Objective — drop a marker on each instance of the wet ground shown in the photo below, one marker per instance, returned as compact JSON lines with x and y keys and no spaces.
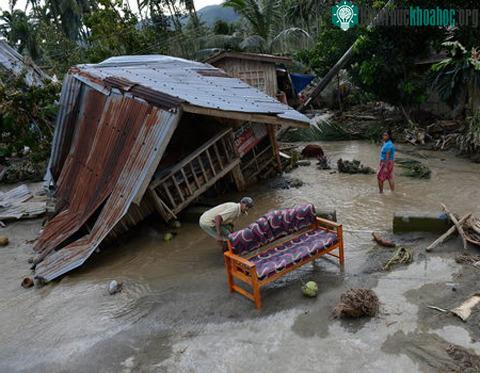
{"x":176,"y":315}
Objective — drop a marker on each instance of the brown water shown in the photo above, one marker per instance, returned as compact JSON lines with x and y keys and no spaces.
{"x":175,"y":313}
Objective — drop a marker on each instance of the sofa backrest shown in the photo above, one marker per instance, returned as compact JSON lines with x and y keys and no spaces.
{"x":272,"y":226}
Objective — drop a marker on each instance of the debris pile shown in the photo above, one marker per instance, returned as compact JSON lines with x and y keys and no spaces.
{"x":353,"y":167}
{"x":285,"y":183}
{"x":401,"y":256}
{"x":357,"y":303}
{"x":19,"y":203}
{"x":323,"y":163}
{"x":468,"y":259}
{"x":414,"y":168}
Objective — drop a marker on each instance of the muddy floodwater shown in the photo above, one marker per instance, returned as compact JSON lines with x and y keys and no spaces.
{"x":175,"y":313}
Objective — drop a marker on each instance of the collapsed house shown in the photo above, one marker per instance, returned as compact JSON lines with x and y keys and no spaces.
{"x":143,"y":134}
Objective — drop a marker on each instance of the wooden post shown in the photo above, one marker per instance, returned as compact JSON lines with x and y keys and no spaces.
{"x":341,"y":254}
{"x":275,"y":148}
{"x":237,"y":175}
{"x":256,"y":290}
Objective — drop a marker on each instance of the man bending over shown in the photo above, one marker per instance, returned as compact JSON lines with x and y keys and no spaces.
{"x":218,"y":221}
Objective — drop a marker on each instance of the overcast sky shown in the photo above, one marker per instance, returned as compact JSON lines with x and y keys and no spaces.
{"x":198,"y":3}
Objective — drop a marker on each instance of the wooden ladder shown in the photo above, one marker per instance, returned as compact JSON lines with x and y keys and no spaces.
{"x":193,"y":175}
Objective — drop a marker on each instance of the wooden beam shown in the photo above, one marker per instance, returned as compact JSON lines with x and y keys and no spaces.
{"x":247,"y":117}
{"x":275,"y":148}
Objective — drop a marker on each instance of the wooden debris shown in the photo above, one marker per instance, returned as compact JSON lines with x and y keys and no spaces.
{"x":472,"y":230}
{"x":438,"y":309}
{"x":381,"y":241}
{"x":465,"y":309}
{"x":447,"y":234}
{"x":457,"y":225}
{"x":353,"y":167}
{"x":473,"y":260}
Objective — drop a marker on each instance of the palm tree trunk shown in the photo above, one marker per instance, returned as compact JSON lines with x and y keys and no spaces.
{"x":343,"y":60}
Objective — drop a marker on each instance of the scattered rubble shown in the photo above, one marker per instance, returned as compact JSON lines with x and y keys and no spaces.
{"x":357,"y":303}
{"x":472,"y":230}
{"x":401,"y":256}
{"x":285,"y":183}
{"x":414,"y":168}
{"x":23,"y":169}
{"x":353,"y":167}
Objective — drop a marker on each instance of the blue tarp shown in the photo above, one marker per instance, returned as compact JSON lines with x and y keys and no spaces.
{"x":300,"y":81}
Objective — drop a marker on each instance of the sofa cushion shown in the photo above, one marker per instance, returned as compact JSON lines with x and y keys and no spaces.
{"x":286,"y":255}
{"x":252,"y":237}
{"x":287,"y":221}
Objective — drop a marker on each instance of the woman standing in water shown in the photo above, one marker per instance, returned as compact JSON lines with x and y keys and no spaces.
{"x":387,"y":157}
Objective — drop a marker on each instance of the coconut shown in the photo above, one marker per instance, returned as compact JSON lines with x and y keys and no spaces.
{"x":168,"y":237}
{"x":3,"y":241}
{"x":27,"y":282}
{"x":310,"y":289}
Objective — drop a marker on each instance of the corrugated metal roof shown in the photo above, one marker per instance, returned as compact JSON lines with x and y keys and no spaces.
{"x":14,"y":62}
{"x":177,"y":80}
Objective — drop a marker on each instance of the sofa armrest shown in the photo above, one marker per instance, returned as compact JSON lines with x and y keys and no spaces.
{"x":239,"y":260}
{"x":328,"y":223}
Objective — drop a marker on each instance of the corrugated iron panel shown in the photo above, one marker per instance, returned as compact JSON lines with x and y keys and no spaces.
{"x":187,"y":81}
{"x":140,"y":159}
{"x":65,"y":124}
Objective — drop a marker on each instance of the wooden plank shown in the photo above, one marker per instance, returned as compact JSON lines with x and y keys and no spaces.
{"x":186,"y":180}
{"x":212,"y":166}
{"x":225,"y":149}
{"x":200,"y":161}
{"x":273,"y":140}
{"x":169,"y":195}
{"x":217,"y":153}
{"x":177,"y":187}
{"x":246,"y":117}
{"x":197,"y":182}
{"x":161,"y":207}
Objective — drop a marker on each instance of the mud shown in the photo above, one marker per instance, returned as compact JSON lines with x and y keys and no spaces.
{"x":175,"y":314}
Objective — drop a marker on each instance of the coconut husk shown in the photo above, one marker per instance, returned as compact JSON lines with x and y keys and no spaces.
{"x":357,"y":303}
{"x":27,"y":282}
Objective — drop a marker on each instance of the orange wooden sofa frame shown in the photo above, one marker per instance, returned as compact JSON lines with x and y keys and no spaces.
{"x":240,"y":268}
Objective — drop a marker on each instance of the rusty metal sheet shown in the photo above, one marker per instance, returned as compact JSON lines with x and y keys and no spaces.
{"x":140,"y":159}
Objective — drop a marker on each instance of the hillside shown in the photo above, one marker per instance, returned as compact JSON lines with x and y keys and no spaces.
{"x":210,"y":14}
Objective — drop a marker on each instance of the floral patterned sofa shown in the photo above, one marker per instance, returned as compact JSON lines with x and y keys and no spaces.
{"x":277,"y":243}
